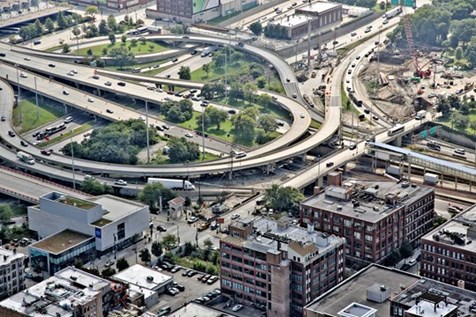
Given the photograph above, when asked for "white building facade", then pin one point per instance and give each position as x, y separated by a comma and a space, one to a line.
12, 274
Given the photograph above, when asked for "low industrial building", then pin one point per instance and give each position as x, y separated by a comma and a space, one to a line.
73, 227
315, 16
144, 282
381, 291
70, 292
12, 272
448, 253
279, 267
374, 218
194, 310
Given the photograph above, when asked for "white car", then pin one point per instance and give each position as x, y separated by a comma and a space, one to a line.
189, 135
68, 120
120, 182
65, 92
237, 307
90, 99
70, 74
235, 216
23, 75
412, 262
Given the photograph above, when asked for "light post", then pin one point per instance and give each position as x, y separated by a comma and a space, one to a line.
36, 99
178, 234
203, 130
18, 96
72, 159
147, 130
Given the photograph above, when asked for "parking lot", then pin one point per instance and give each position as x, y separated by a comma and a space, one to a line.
193, 290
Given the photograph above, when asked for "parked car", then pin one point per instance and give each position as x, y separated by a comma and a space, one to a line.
109, 263
237, 308
175, 269
161, 228
212, 280
235, 216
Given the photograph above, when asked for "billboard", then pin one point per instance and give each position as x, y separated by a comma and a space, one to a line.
406, 3
203, 5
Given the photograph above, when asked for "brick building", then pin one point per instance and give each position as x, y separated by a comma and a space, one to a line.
277, 266
448, 254
374, 218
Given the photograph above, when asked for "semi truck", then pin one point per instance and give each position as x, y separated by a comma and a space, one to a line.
175, 184
431, 178
25, 157
394, 12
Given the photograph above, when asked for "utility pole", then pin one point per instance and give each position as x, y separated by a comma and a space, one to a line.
226, 73
147, 130
309, 44
203, 130
18, 95
36, 100
72, 159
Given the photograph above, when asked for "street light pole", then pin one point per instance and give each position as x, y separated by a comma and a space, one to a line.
36, 99
203, 130
178, 234
147, 130
18, 96
72, 159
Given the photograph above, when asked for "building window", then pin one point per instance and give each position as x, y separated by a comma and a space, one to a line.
121, 231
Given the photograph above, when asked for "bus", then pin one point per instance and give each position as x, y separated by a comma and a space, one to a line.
396, 130
142, 30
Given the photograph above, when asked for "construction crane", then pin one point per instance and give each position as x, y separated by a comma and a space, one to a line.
419, 72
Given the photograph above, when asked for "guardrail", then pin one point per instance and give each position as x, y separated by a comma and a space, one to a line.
18, 195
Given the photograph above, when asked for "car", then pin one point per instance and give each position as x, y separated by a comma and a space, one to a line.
195, 98
367, 30
194, 52
192, 219
2, 55
214, 226
191, 273
170, 92
27, 59
159, 90
185, 37
288, 80
302, 115
164, 311
178, 94
237, 308
96, 77
158, 127
28, 275
175, 60
353, 34
204, 278
205, 103
335, 42
3, 118
232, 111
23, 143
109, 111
329, 164
385, 21
11, 134
175, 269
70, 74
189, 135
432, 95
349, 72
353, 65
121, 83
235, 216
68, 120
120, 182
89, 177
357, 57
65, 92
352, 146
51, 65
109, 263
212, 280
167, 76
150, 87
359, 103
375, 118
108, 83
199, 300
172, 291
37, 42
23, 75
37, 133
367, 111
294, 96
412, 262
90, 99
460, 151
74, 71
185, 273
165, 127
161, 228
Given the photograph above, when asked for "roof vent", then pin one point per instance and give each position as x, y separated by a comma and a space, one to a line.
339, 207
383, 288
74, 278
150, 278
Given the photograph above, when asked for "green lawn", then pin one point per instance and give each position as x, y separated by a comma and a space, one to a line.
63, 136
447, 122
273, 110
225, 128
159, 158
315, 124
29, 119
138, 49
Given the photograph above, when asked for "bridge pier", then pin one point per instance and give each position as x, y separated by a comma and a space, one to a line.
65, 108
456, 182
398, 141
303, 158
99, 92
270, 168
320, 182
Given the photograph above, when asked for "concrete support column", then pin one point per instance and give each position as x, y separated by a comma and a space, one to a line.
98, 93
303, 158
398, 141
456, 183
320, 182
65, 108
442, 178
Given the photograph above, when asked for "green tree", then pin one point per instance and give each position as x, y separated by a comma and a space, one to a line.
112, 23
256, 28
249, 91
122, 264
206, 68
103, 28
264, 100
208, 244
458, 53
283, 199
65, 48
123, 39
89, 52
169, 241
92, 11
151, 194
216, 116
472, 125
406, 249
156, 248
49, 25
181, 151
236, 58
261, 82
122, 57
38, 27
459, 121
92, 31
93, 187
443, 106
108, 272
6, 213
218, 60
244, 124
184, 73
145, 255
61, 21
112, 38
393, 258
268, 123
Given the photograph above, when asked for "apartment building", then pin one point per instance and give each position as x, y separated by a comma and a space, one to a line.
12, 275
448, 253
381, 291
374, 218
279, 267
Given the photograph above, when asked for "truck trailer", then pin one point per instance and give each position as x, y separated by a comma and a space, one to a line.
431, 178
392, 13
25, 157
420, 115
175, 184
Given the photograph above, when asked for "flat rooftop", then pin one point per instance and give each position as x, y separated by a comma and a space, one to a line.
455, 231
76, 202
61, 241
116, 208
10, 256
143, 277
52, 296
293, 20
354, 290
370, 197
194, 310
318, 7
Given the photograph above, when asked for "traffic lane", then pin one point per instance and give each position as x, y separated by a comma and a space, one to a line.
194, 62
447, 152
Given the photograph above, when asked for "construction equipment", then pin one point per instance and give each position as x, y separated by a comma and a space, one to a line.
419, 72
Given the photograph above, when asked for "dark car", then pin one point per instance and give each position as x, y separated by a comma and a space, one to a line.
52, 65
3, 118
109, 111
329, 164
121, 83
175, 60
232, 111
367, 111
46, 152
37, 42
161, 228
11, 134
23, 143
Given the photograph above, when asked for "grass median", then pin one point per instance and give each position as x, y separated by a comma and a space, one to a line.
27, 117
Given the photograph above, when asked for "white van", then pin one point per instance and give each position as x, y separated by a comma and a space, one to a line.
68, 120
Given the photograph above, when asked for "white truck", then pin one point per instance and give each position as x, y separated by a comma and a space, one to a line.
176, 184
420, 115
394, 12
25, 157
393, 170
431, 178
